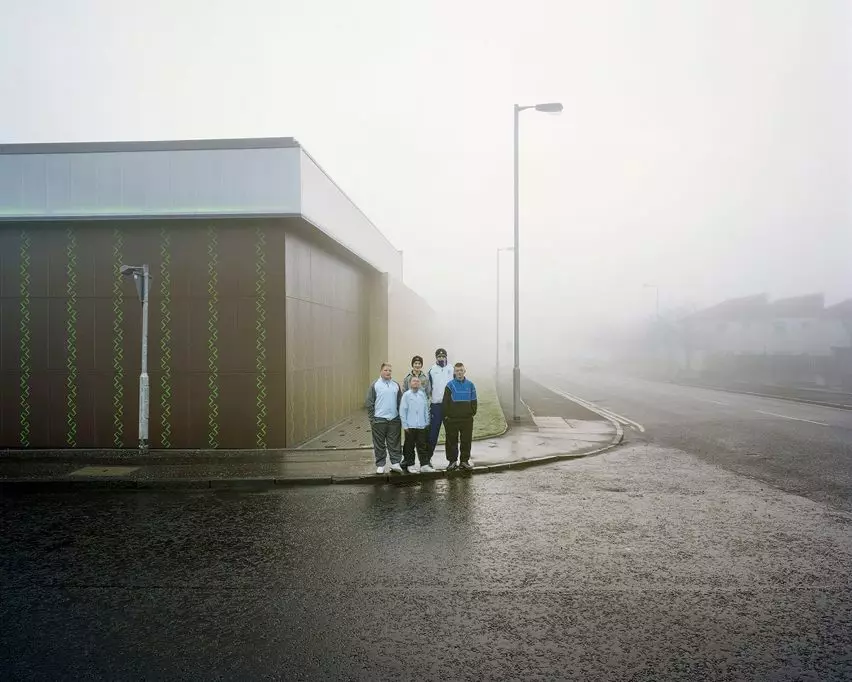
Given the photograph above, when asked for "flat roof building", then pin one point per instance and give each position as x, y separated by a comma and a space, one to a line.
269, 299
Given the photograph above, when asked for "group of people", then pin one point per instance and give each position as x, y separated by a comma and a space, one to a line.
425, 401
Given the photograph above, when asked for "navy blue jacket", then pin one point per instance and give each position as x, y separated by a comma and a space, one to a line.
460, 399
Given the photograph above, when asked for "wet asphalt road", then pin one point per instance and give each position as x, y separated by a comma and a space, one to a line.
644, 563
803, 449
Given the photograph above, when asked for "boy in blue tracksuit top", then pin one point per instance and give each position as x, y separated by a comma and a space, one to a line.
414, 413
459, 410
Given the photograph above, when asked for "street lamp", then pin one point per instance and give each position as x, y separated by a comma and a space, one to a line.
497, 317
551, 108
142, 279
656, 288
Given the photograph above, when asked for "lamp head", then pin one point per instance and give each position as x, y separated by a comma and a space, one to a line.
549, 107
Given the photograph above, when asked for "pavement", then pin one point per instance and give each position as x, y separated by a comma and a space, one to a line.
351, 433
561, 429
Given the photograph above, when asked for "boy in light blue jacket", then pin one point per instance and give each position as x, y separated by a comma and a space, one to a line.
414, 413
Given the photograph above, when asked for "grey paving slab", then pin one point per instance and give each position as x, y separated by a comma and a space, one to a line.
520, 445
559, 427
352, 432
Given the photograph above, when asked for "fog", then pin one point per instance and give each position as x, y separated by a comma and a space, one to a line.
704, 146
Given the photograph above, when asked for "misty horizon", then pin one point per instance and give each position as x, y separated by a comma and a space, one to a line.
704, 147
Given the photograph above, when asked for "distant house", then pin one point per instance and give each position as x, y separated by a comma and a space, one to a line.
843, 352
788, 341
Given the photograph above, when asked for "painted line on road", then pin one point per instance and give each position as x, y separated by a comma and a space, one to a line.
707, 400
601, 410
795, 419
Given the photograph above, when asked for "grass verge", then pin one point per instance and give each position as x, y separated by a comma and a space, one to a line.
489, 420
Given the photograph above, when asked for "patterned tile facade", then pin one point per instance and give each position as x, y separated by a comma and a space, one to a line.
256, 338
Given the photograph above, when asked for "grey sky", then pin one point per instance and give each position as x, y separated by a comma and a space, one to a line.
704, 146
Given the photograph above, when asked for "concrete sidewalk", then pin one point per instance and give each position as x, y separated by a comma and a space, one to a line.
539, 439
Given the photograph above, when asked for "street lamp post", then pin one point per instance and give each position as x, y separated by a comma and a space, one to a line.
661, 333
142, 277
656, 289
497, 317
553, 108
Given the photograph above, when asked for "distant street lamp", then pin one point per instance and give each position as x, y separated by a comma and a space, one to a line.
497, 317
657, 290
662, 333
142, 277
551, 108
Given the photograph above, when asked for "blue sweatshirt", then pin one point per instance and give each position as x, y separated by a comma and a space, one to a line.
383, 400
414, 409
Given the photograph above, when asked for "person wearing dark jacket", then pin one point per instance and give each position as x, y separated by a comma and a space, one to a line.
459, 409
383, 398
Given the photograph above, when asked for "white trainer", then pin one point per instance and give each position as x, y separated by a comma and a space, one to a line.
413, 469
427, 469
380, 470
396, 468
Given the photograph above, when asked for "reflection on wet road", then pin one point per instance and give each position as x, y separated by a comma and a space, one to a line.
644, 563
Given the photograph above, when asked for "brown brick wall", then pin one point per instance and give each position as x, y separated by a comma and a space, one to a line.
217, 344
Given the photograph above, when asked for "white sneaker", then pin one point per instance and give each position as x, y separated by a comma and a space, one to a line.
380, 470
413, 469
427, 469
396, 468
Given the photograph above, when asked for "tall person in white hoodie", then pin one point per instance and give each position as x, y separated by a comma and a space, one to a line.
440, 374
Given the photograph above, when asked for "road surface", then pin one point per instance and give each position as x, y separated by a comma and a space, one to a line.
800, 448
644, 563
649, 562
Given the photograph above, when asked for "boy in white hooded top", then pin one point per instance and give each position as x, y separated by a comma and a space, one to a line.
440, 374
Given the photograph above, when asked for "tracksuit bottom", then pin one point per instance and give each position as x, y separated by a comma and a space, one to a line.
386, 440
436, 411
458, 430
416, 439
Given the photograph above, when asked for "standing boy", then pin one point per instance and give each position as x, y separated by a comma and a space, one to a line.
440, 375
459, 410
383, 399
417, 371
414, 413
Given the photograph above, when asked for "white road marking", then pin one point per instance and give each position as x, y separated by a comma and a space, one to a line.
624, 421
795, 419
707, 400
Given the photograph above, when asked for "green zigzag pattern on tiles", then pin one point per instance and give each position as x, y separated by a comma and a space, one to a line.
25, 338
117, 341
260, 325
213, 337
165, 339
71, 336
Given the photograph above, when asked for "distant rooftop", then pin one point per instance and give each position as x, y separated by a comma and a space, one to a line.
735, 308
759, 306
